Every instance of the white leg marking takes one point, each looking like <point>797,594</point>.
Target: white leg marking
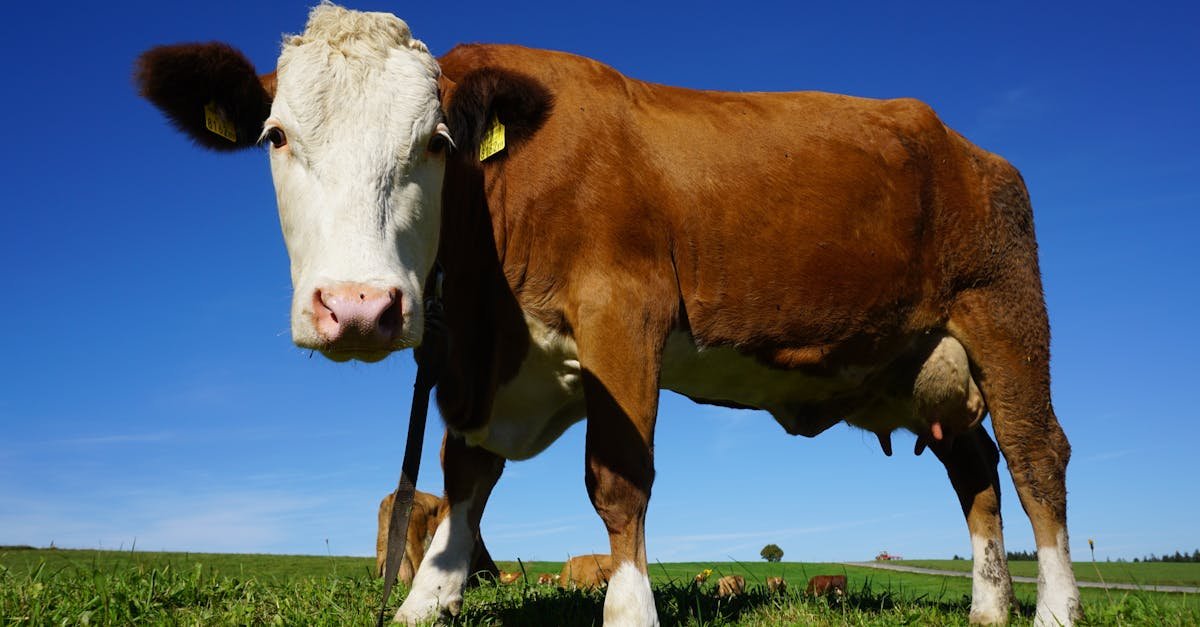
<point>443,573</point>
<point>991,587</point>
<point>629,602</point>
<point>1058,596</point>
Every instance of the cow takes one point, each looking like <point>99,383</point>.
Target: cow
<point>586,571</point>
<point>508,578</point>
<point>597,238</point>
<point>731,586</point>
<point>826,584</point>
<point>426,515</point>
<point>548,579</point>
<point>702,576</point>
<point>776,585</point>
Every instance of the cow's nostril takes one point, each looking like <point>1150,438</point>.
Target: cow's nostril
<point>392,316</point>
<point>323,307</point>
<point>372,320</point>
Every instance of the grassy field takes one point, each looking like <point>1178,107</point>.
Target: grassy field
<point>275,568</point>
<point>42,587</point>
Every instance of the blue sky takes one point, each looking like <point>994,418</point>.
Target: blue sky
<point>150,391</point>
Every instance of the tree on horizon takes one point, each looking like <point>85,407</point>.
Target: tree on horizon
<point>772,553</point>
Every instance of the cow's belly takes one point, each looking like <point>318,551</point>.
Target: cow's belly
<point>803,404</point>
<point>533,409</point>
<point>927,381</point>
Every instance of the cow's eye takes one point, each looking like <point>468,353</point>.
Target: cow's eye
<point>438,143</point>
<point>441,139</point>
<point>276,136</point>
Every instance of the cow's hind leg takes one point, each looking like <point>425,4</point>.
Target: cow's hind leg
<point>971,463</point>
<point>470,474</point>
<point>1006,334</point>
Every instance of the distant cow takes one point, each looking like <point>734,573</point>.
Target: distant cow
<point>823,258</point>
<point>776,585</point>
<point>427,514</point>
<point>586,571</point>
<point>826,584</point>
<point>702,576</point>
<point>546,579</point>
<point>731,585</point>
<point>507,577</point>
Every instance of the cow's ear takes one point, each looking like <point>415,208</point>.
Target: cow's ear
<point>519,102</point>
<point>209,91</point>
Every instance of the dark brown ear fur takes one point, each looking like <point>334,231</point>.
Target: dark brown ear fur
<point>520,102</point>
<point>181,79</point>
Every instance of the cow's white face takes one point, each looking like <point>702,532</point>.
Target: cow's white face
<point>353,141</point>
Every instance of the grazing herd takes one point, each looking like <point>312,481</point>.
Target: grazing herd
<point>582,572</point>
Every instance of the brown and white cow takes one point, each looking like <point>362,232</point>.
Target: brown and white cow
<point>822,257</point>
<point>427,514</point>
<point>586,571</point>
<point>731,586</point>
<point>776,585</point>
<point>826,584</point>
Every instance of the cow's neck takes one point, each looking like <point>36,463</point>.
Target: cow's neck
<point>487,330</point>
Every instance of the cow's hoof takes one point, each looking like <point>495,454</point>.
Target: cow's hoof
<point>988,617</point>
<point>424,611</point>
<point>1062,617</point>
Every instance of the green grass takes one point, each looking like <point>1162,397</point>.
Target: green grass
<point>45,587</point>
<point>1152,573</point>
<point>270,567</point>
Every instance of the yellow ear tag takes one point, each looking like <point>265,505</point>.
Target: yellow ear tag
<point>493,140</point>
<point>215,121</point>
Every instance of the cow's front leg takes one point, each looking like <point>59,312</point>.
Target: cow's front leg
<point>971,462</point>
<point>470,473</point>
<point>620,363</point>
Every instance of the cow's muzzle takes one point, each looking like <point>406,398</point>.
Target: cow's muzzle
<point>355,321</point>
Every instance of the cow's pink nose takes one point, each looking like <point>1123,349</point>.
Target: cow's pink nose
<point>357,317</point>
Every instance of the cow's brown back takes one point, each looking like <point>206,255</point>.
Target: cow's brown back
<point>731,585</point>
<point>805,202</point>
<point>422,523</point>
<point>826,584</point>
<point>586,571</point>
<point>427,514</point>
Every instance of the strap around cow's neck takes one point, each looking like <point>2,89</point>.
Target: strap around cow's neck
<point>431,359</point>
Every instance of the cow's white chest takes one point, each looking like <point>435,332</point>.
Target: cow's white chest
<point>545,398</point>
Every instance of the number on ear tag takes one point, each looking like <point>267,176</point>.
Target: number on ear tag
<point>215,121</point>
<point>493,140</point>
